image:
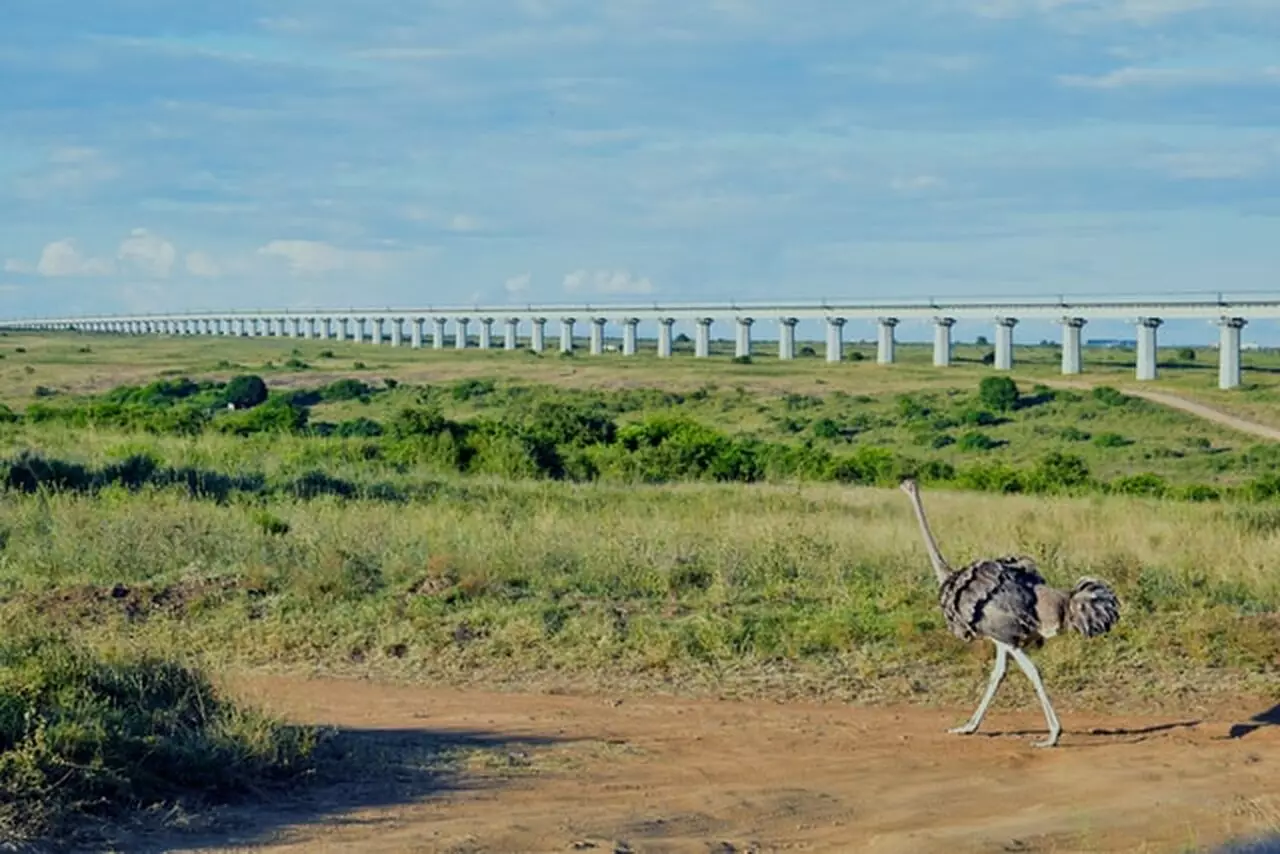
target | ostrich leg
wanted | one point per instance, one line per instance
(997, 675)
(1029, 668)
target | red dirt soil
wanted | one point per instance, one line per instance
(649, 774)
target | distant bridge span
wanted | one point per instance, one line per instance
(387, 325)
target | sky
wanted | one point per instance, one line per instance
(318, 153)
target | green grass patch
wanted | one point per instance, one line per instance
(86, 738)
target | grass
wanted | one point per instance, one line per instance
(87, 737)
(512, 536)
(819, 590)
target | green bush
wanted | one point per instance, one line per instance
(471, 389)
(1057, 471)
(274, 417)
(1147, 484)
(979, 418)
(347, 388)
(246, 391)
(358, 428)
(976, 441)
(1187, 354)
(998, 393)
(1111, 440)
(1109, 396)
(83, 736)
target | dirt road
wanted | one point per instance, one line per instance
(539, 772)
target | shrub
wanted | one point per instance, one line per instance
(245, 391)
(7, 415)
(979, 418)
(274, 417)
(1109, 396)
(1187, 354)
(1057, 471)
(988, 477)
(1147, 484)
(347, 388)
(828, 428)
(358, 428)
(1073, 434)
(1111, 440)
(83, 736)
(976, 441)
(998, 393)
(471, 389)
(741, 360)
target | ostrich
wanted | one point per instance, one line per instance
(1006, 600)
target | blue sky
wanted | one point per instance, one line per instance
(157, 155)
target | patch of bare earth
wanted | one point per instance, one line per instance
(544, 772)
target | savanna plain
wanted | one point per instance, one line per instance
(291, 595)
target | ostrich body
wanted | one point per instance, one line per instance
(1006, 600)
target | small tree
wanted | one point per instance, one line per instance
(246, 392)
(999, 393)
(1187, 354)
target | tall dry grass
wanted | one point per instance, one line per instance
(818, 590)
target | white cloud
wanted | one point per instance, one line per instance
(606, 282)
(63, 258)
(518, 284)
(148, 252)
(316, 257)
(915, 183)
(1132, 77)
(1136, 11)
(13, 265)
(463, 222)
(202, 264)
(68, 169)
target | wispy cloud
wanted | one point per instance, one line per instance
(606, 282)
(63, 258)
(1124, 78)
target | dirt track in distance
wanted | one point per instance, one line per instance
(545, 772)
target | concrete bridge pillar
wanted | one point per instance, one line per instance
(629, 327)
(742, 350)
(1229, 351)
(566, 334)
(942, 341)
(885, 345)
(437, 333)
(379, 330)
(512, 337)
(1072, 359)
(538, 335)
(1004, 343)
(417, 324)
(1147, 327)
(486, 333)
(835, 339)
(397, 331)
(665, 325)
(460, 332)
(702, 337)
(597, 335)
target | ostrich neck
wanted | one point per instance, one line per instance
(940, 568)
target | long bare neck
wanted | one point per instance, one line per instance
(940, 567)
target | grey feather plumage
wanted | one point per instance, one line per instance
(1092, 608)
(994, 598)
